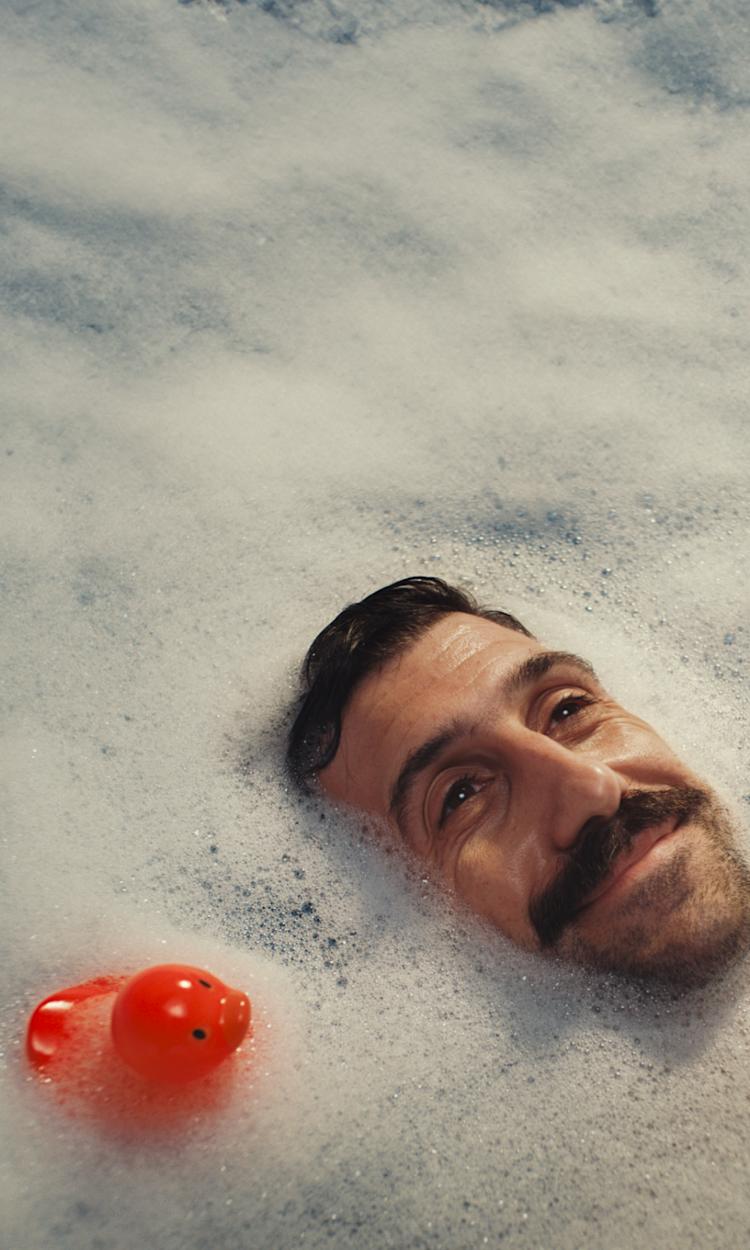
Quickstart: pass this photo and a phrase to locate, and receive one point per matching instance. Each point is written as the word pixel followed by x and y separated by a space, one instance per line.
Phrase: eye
pixel 458 794
pixel 569 707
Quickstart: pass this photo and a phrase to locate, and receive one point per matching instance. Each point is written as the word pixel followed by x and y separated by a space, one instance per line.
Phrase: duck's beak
pixel 234 1020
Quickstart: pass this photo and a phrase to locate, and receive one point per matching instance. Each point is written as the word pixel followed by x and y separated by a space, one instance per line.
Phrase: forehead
pixel 445 672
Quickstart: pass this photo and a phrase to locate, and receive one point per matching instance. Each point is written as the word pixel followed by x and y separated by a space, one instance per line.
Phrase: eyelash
pixel 469 779
pixel 577 701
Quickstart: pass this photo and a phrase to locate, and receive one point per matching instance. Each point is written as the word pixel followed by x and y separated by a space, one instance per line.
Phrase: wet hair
pixel 359 641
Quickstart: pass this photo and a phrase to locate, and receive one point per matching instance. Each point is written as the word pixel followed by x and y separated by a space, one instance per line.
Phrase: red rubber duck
pixel 122 1041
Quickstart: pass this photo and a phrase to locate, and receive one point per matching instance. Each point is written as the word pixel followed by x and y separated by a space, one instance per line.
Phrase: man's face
pixel 553 812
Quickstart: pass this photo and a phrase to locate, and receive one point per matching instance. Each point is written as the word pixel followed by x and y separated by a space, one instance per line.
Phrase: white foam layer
pixel 300 302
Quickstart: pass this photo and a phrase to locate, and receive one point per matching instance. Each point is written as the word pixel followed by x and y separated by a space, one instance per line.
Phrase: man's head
pixel 553 812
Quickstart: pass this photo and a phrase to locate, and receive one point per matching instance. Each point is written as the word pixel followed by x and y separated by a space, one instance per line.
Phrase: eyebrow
pixel 518 679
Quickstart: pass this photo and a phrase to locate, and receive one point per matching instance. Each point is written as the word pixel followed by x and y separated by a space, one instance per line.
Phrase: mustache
pixel 599 843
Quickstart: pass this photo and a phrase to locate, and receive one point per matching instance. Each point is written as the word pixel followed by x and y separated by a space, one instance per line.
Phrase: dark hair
pixel 362 638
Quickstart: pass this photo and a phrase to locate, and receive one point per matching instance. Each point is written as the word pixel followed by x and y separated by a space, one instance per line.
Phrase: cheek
pixel 648 760
pixel 635 750
pixel 496 885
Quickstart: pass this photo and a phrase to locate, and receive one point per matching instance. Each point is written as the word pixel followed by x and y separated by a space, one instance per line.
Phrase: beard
pixel 684 922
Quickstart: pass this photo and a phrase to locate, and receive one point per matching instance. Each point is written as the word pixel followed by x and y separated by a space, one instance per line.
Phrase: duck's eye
pixel 206 983
pixel 200 1034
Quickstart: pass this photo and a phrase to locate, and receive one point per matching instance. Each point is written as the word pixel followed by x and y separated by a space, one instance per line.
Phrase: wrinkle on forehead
pixel 399 702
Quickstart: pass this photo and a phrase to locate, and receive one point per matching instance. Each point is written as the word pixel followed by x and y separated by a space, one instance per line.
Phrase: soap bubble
pixel 299 298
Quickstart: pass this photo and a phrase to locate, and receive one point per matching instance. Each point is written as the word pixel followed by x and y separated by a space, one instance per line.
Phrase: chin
pixel 684 924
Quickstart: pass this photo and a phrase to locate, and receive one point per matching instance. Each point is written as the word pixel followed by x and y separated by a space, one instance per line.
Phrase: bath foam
pixel 291 314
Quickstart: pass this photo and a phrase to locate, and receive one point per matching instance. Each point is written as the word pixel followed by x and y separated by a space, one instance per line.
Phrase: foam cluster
pixel 299 302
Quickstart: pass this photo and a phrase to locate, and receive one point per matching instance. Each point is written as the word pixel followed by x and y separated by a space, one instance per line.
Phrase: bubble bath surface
pixel 299 299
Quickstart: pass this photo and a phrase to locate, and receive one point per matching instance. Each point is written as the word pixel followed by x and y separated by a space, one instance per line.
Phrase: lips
pixel 610 855
pixel 640 847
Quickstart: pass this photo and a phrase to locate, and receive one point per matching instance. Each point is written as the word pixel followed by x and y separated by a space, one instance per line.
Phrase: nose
pixel 566 788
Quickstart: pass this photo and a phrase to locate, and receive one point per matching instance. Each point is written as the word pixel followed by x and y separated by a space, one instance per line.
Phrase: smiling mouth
pixel 631 864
